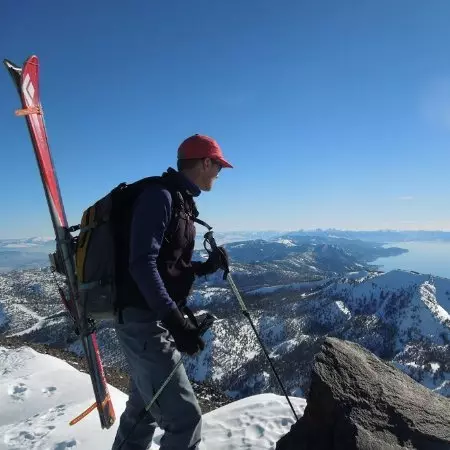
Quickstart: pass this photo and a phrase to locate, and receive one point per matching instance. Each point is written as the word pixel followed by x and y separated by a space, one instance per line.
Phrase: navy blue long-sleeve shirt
pixel 151 216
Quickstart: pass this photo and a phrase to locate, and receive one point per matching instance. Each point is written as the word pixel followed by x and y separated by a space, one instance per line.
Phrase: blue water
pixel 424 257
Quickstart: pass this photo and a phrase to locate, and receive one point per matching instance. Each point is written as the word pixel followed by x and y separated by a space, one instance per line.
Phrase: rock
pixel 357 401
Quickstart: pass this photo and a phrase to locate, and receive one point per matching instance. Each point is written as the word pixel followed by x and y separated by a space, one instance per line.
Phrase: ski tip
pixel 11 66
pixel 33 59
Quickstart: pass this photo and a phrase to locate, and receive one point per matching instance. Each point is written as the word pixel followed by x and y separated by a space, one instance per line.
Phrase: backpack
pixel 96 248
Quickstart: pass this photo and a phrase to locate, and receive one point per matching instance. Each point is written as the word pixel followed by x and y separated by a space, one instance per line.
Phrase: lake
pixel 425 257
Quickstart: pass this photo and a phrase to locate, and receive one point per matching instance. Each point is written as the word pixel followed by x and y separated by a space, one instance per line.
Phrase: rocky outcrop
pixel 357 401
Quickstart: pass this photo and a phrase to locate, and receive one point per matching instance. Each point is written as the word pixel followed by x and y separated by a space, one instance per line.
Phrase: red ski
pixel 26 80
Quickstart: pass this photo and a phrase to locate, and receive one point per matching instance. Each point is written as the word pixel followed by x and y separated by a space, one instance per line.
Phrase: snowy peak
pixel 415 304
pixel 286 242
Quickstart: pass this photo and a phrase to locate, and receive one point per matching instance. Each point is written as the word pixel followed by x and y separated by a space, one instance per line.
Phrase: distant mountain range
pixel 25 253
pixel 299 289
pixel 45 245
pixel 321 252
pixel 27 243
pixel 381 236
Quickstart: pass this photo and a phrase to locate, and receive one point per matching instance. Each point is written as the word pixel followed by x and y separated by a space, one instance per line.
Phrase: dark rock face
pixel 357 401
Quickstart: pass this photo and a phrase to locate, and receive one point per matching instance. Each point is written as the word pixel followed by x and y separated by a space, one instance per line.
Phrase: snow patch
pixel 40 394
pixel 286 242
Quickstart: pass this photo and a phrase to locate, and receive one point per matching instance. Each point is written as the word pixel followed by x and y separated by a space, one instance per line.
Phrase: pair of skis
pixel 26 80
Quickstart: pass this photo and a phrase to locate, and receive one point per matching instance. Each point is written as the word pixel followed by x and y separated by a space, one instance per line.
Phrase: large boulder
pixel 357 401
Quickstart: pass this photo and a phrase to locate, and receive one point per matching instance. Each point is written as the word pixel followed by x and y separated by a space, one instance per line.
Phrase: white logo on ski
pixel 28 90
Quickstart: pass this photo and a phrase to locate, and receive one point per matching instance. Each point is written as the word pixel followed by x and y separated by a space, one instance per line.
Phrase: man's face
pixel 209 173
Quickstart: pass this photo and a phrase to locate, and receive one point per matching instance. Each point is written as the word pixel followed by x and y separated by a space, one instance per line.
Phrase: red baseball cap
pixel 200 146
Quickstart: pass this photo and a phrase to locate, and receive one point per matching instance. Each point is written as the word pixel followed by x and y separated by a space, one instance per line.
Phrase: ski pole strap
pixel 201 222
pixel 209 240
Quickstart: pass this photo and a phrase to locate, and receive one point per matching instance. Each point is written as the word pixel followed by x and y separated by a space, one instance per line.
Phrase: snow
pixel 343 308
pixel 425 302
pixel 283 348
pixel 252 423
pixel 37 326
pixel 40 394
pixel 29 312
pixel 300 286
pixel 286 242
pixel 435 367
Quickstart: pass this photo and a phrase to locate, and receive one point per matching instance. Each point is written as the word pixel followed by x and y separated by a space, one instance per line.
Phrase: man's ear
pixel 207 163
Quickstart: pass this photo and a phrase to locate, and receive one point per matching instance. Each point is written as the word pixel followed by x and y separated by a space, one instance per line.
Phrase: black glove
pixel 218 259
pixel 185 334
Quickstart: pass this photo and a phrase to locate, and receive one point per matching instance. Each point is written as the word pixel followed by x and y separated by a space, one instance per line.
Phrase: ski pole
pixel 227 276
pixel 204 326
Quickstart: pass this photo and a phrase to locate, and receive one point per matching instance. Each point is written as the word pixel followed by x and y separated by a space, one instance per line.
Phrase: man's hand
pixel 218 259
pixel 186 335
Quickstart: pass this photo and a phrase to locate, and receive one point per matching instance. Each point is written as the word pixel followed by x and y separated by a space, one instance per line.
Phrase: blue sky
pixel 335 114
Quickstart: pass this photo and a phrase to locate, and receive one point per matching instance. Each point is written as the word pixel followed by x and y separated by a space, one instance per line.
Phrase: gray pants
pixel 151 356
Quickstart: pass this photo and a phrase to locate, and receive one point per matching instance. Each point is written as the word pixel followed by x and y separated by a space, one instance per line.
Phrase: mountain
pixel 28 243
pixel 246 247
pixel 400 316
pixel 381 236
pixel 299 290
pixel 289 259
pixel 225 237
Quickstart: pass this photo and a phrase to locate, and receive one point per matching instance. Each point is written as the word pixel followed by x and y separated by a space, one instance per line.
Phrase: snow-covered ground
pixel 40 394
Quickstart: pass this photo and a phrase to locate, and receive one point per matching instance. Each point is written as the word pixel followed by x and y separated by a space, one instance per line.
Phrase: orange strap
pixel 28 111
pixel 89 410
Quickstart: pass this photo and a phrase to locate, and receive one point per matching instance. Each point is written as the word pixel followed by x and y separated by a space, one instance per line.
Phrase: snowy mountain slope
pixel 40 394
pixel 400 316
pixel 302 290
pixel 387 313
pixel 414 304
pixel 28 297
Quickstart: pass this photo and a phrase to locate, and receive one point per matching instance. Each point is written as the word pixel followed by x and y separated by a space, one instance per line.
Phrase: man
pixel 151 329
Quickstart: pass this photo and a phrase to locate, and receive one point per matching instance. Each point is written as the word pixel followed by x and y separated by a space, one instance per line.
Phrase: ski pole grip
pixel 209 239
